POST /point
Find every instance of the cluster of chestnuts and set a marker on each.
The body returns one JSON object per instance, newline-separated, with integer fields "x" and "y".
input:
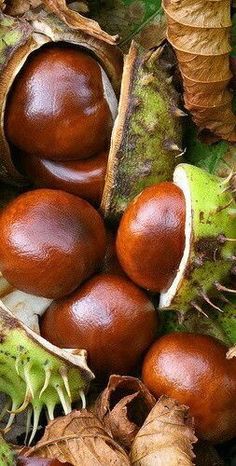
{"x": 55, "y": 243}
{"x": 58, "y": 121}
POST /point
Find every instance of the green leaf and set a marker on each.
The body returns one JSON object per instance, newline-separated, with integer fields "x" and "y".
{"x": 142, "y": 20}
{"x": 218, "y": 158}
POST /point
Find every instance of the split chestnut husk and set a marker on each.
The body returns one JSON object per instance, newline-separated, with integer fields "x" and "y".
{"x": 35, "y": 374}
{"x": 53, "y": 23}
{"x": 209, "y": 254}
{"x": 147, "y": 134}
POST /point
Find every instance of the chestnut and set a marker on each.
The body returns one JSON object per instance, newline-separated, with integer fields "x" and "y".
{"x": 57, "y": 108}
{"x": 108, "y": 316}
{"x": 150, "y": 238}
{"x": 84, "y": 178}
{"x": 51, "y": 241}
{"x": 193, "y": 369}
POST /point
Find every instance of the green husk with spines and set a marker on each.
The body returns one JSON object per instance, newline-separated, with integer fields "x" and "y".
{"x": 147, "y": 135}
{"x": 35, "y": 374}
{"x": 7, "y": 456}
{"x": 193, "y": 322}
{"x": 209, "y": 249}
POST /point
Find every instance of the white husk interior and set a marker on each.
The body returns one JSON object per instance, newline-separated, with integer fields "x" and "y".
{"x": 109, "y": 94}
{"x": 181, "y": 180}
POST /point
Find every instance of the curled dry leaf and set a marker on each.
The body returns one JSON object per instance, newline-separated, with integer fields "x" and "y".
{"x": 123, "y": 407}
{"x": 199, "y": 31}
{"x": 166, "y": 437}
{"x": 80, "y": 439}
{"x": 75, "y": 21}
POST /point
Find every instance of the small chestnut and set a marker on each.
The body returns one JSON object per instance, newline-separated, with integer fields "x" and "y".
{"x": 193, "y": 369}
{"x": 51, "y": 241}
{"x": 150, "y": 238}
{"x": 108, "y": 316}
{"x": 57, "y": 107}
{"x": 84, "y": 178}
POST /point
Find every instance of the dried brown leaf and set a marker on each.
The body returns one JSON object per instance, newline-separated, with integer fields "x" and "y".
{"x": 123, "y": 407}
{"x": 166, "y": 437}
{"x": 75, "y": 21}
{"x": 80, "y": 439}
{"x": 199, "y": 31}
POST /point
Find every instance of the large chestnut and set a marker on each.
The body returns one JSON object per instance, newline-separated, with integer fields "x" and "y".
{"x": 193, "y": 369}
{"x": 51, "y": 241}
{"x": 57, "y": 108}
{"x": 110, "y": 317}
{"x": 84, "y": 178}
{"x": 150, "y": 238}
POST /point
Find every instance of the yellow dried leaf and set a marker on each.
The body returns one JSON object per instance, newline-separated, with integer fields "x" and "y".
{"x": 199, "y": 31}
{"x": 166, "y": 437}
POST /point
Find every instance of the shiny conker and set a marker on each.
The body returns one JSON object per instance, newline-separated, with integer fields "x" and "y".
{"x": 150, "y": 238}
{"x": 193, "y": 369}
{"x": 51, "y": 241}
{"x": 57, "y": 108}
{"x": 108, "y": 316}
{"x": 84, "y": 178}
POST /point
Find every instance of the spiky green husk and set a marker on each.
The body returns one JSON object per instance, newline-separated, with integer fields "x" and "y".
{"x": 36, "y": 374}
{"x": 227, "y": 320}
{"x": 7, "y": 456}
{"x": 209, "y": 253}
{"x": 191, "y": 321}
{"x": 147, "y": 134}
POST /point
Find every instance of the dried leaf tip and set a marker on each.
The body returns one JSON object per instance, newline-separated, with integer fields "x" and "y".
{"x": 167, "y": 437}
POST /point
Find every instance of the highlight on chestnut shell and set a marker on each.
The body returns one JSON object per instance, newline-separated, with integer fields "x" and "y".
{"x": 51, "y": 241}
{"x": 110, "y": 317}
{"x": 193, "y": 369}
{"x": 57, "y": 107}
{"x": 150, "y": 238}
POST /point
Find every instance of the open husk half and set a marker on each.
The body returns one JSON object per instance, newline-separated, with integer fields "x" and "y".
{"x": 147, "y": 134}
{"x": 209, "y": 252}
{"x": 21, "y": 36}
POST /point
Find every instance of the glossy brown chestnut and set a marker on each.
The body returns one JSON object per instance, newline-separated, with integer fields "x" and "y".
{"x": 110, "y": 317}
{"x": 193, "y": 369}
{"x": 23, "y": 461}
{"x": 84, "y": 178}
{"x": 56, "y": 108}
{"x": 150, "y": 238}
{"x": 51, "y": 241}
